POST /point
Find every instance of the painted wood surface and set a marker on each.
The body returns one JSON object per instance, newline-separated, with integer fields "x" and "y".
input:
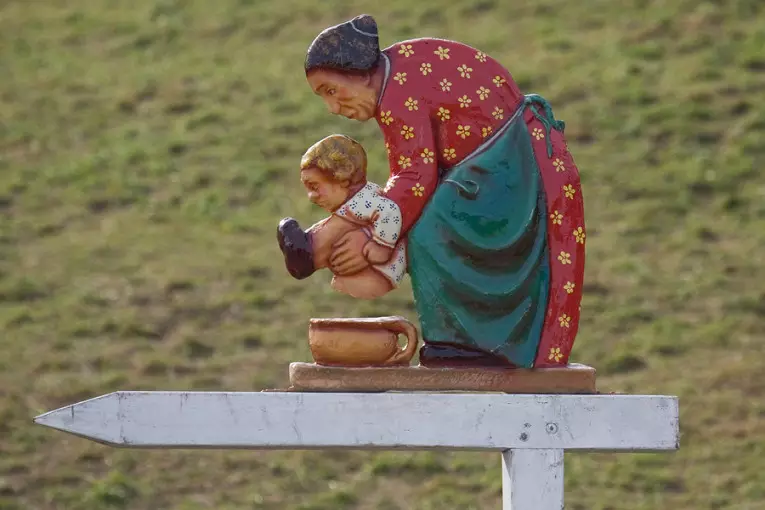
{"x": 532, "y": 479}
{"x": 573, "y": 379}
{"x": 290, "y": 420}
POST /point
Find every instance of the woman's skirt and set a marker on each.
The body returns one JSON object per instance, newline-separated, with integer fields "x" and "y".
{"x": 479, "y": 256}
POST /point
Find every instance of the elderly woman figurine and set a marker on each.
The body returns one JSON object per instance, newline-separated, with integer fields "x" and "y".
{"x": 490, "y": 198}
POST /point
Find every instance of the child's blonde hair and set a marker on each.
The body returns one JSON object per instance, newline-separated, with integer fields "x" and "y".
{"x": 339, "y": 156}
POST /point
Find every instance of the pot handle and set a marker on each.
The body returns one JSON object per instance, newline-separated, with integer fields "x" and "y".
{"x": 405, "y": 354}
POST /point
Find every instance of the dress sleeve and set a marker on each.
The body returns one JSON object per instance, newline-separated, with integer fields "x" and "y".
{"x": 411, "y": 155}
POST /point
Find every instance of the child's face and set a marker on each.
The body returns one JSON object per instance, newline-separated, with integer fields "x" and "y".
{"x": 323, "y": 190}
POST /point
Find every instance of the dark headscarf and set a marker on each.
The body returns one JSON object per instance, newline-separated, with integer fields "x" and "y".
{"x": 349, "y": 46}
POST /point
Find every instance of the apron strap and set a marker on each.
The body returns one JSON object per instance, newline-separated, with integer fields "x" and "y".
{"x": 548, "y": 119}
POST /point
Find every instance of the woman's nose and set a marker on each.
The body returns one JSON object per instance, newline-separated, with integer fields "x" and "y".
{"x": 313, "y": 195}
{"x": 334, "y": 107}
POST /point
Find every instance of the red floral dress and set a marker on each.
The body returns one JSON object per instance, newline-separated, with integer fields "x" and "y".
{"x": 440, "y": 101}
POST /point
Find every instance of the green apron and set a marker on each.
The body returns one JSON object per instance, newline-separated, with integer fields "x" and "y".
{"x": 478, "y": 256}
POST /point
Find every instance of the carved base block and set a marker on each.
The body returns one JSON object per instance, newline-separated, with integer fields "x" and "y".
{"x": 574, "y": 378}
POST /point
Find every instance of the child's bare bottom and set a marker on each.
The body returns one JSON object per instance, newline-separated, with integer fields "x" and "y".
{"x": 367, "y": 283}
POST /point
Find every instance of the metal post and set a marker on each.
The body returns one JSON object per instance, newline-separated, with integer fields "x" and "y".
{"x": 532, "y": 479}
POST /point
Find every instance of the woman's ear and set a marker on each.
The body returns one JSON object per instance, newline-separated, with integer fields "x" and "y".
{"x": 345, "y": 183}
{"x": 364, "y": 78}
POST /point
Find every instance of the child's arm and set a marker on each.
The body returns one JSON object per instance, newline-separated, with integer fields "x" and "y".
{"x": 386, "y": 227}
{"x": 376, "y": 253}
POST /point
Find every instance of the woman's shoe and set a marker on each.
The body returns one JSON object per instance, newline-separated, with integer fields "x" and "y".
{"x": 443, "y": 355}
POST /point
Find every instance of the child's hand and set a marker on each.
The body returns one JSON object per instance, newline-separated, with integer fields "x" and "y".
{"x": 377, "y": 253}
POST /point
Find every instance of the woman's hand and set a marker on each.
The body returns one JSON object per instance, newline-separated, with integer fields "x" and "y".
{"x": 348, "y": 253}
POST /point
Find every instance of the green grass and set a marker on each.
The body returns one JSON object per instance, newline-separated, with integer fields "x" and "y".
{"x": 149, "y": 148}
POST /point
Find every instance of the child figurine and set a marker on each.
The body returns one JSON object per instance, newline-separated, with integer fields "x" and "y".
{"x": 333, "y": 171}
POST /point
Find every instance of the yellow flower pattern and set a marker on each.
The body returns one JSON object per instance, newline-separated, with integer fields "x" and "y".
{"x": 569, "y": 191}
{"x": 481, "y": 56}
{"x": 446, "y": 85}
{"x": 426, "y": 69}
{"x": 386, "y": 118}
{"x": 555, "y": 354}
{"x": 418, "y": 190}
{"x": 465, "y": 71}
{"x": 559, "y": 165}
{"x": 404, "y": 162}
{"x": 400, "y": 78}
{"x": 483, "y": 93}
{"x": 427, "y": 156}
{"x": 498, "y": 113}
{"x": 464, "y": 101}
{"x": 569, "y": 287}
{"x": 411, "y": 104}
{"x": 556, "y": 217}
{"x": 499, "y": 81}
{"x": 538, "y": 133}
{"x": 406, "y": 50}
{"x": 443, "y": 114}
{"x": 443, "y": 53}
{"x": 449, "y": 154}
{"x": 407, "y": 132}
{"x": 486, "y": 131}
{"x": 579, "y": 235}
{"x": 463, "y": 131}
{"x": 564, "y": 320}
{"x": 564, "y": 258}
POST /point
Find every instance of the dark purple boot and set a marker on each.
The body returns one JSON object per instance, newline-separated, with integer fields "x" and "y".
{"x": 296, "y": 247}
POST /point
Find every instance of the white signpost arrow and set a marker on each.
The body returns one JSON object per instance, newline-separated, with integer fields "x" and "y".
{"x": 531, "y": 431}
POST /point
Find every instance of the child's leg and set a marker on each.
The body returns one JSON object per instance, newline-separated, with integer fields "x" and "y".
{"x": 307, "y": 251}
{"x": 366, "y": 284}
{"x": 324, "y": 234}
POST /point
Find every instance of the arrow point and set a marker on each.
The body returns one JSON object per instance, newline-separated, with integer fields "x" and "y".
{"x": 57, "y": 419}
{"x": 93, "y": 419}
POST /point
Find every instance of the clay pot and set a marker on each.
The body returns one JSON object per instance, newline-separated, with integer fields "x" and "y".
{"x": 361, "y": 342}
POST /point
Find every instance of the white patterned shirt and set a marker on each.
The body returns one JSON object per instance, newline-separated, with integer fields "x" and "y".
{"x": 382, "y": 217}
{"x": 370, "y": 205}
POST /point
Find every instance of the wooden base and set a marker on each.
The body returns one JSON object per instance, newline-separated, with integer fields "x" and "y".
{"x": 574, "y": 378}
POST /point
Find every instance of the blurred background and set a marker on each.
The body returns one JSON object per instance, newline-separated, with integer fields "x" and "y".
{"x": 148, "y": 149}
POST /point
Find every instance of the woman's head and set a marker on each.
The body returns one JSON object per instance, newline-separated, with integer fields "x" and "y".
{"x": 352, "y": 95}
{"x": 342, "y": 67}
{"x": 331, "y": 169}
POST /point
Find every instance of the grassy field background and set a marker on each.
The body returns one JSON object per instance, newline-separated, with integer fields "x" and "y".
{"x": 148, "y": 149}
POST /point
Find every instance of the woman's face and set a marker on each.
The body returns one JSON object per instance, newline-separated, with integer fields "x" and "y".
{"x": 348, "y": 95}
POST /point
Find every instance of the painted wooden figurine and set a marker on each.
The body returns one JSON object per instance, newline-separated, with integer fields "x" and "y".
{"x": 333, "y": 172}
{"x": 488, "y": 197}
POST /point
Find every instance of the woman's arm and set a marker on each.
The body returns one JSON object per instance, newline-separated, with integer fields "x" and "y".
{"x": 412, "y": 156}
